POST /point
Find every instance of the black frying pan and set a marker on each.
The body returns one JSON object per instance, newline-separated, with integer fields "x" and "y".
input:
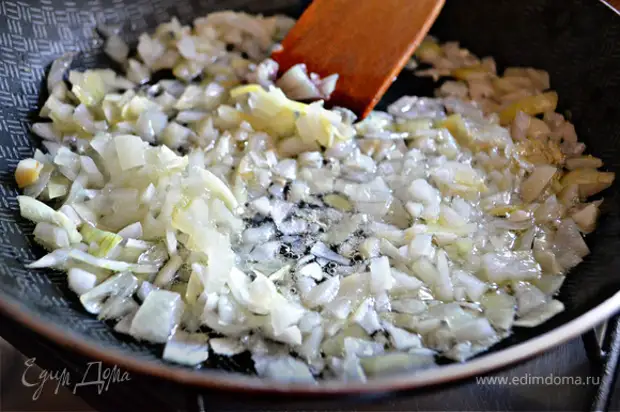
{"x": 577, "y": 41}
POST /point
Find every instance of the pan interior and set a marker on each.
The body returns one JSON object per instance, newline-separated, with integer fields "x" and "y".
{"x": 576, "y": 42}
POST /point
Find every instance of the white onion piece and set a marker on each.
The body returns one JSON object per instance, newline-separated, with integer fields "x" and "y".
{"x": 259, "y": 234}
{"x": 409, "y": 305}
{"x": 187, "y": 348}
{"x": 81, "y": 281}
{"x": 529, "y": 297}
{"x": 144, "y": 289}
{"x": 50, "y": 236}
{"x": 117, "y": 287}
{"x": 533, "y": 186}
{"x": 226, "y": 346}
{"x": 280, "y": 210}
{"x": 380, "y": 275}
{"x": 500, "y": 309}
{"x": 297, "y": 85}
{"x": 313, "y": 270}
{"x": 328, "y": 85}
{"x": 58, "y": 70}
{"x": 401, "y": 339}
{"x": 283, "y": 369}
{"x": 366, "y": 317}
{"x": 311, "y": 347}
{"x": 116, "y": 48}
{"x": 265, "y": 251}
{"x": 394, "y": 362}
{"x": 405, "y": 281}
{"x": 474, "y": 287}
{"x": 284, "y": 314}
{"x": 158, "y": 316}
{"x": 569, "y": 240}
{"x": 475, "y": 330}
{"x": 323, "y": 293}
{"x": 540, "y": 315}
{"x": 132, "y": 231}
{"x": 320, "y": 249}
{"x": 520, "y": 265}
{"x": 46, "y": 131}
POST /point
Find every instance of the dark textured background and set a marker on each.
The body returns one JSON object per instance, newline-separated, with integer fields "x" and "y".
{"x": 576, "y": 41}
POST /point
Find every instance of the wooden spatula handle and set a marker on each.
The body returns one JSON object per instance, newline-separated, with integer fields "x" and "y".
{"x": 615, "y": 4}
{"x": 372, "y": 40}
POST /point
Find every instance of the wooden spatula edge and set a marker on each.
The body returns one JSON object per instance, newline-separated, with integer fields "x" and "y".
{"x": 367, "y": 42}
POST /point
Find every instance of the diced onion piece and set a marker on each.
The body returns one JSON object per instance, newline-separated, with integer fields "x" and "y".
{"x": 55, "y": 259}
{"x": 284, "y": 314}
{"x": 105, "y": 241}
{"x": 394, "y": 362}
{"x": 313, "y": 270}
{"x": 186, "y": 348}
{"x": 503, "y": 266}
{"x": 583, "y": 162}
{"x": 116, "y": 48}
{"x": 89, "y": 87}
{"x": 529, "y": 297}
{"x": 380, "y": 275}
{"x": 536, "y": 182}
{"x": 166, "y": 274}
{"x": 114, "y": 265}
{"x": 283, "y": 369}
{"x": 320, "y": 249}
{"x": 27, "y": 172}
{"x": 474, "y": 330}
{"x": 36, "y": 211}
{"x": 130, "y": 151}
{"x": 323, "y": 293}
{"x": 58, "y": 69}
{"x": 117, "y": 287}
{"x": 474, "y": 287}
{"x": 296, "y": 84}
{"x": 540, "y": 315}
{"x": 226, "y": 346}
{"x": 531, "y": 105}
{"x": 569, "y": 241}
{"x": 157, "y": 317}
{"x": 51, "y": 236}
{"x": 500, "y": 309}
{"x": 219, "y": 189}
{"x": 586, "y": 218}
{"x": 402, "y": 339}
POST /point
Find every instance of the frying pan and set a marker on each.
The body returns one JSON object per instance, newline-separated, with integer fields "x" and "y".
{"x": 577, "y": 41}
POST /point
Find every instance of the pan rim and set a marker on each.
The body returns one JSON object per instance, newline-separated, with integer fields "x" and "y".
{"x": 219, "y": 380}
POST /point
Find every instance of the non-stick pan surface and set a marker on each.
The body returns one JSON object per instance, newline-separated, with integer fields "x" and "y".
{"x": 577, "y": 41}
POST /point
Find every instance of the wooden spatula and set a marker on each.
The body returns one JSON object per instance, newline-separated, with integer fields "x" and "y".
{"x": 367, "y": 42}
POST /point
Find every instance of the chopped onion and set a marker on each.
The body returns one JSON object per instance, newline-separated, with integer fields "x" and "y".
{"x": 283, "y": 369}
{"x": 541, "y": 314}
{"x": 320, "y": 249}
{"x": 116, "y": 48}
{"x": 226, "y": 346}
{"x": 297, "y": 85}
{"x": 187, "y": 349}
{"x": 157, "y": 317}
{"x": 81, "y": 281}
{"x": 323, "y": 293}
{"x": 218, "y": 201}
{"x": 58, "y": 70}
